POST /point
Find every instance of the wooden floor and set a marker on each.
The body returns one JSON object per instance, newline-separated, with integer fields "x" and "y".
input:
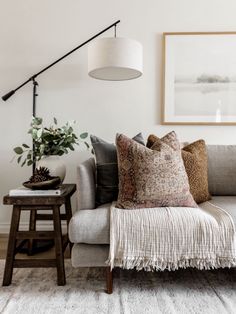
{"x": 48, "y": 254}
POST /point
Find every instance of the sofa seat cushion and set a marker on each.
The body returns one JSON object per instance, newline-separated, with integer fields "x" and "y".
{"x": 228, "y": 203}
{"x": 91, "y": 226}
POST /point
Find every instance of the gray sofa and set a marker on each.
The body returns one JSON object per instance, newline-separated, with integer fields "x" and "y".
{"x": 89, "y": 226}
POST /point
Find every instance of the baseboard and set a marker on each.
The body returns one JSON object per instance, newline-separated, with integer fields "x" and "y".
{"x": 46, "y": 225}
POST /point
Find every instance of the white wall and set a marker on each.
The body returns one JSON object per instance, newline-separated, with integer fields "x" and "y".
{"x": 34, "y": 33}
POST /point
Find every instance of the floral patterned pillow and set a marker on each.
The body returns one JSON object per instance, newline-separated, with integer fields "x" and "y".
{"x": 152, "y": 177}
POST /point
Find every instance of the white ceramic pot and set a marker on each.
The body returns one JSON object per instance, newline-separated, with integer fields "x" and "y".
{"x": 55, "y": 165}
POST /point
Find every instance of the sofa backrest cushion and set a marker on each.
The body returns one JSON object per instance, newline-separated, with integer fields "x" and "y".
{"x": 86, "y": 187}
{"x": 222, "y": 169}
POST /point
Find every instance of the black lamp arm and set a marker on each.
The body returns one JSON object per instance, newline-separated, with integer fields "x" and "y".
{"x": 9, "y": 94}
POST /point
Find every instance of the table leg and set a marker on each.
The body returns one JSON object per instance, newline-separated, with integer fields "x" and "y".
{"x": 109, "y": 280}
{"x": 68, "y": 217}
{"x": 11, "y": 245}
{"x": 32, "y": 227}
{"x": 61, "y": 279}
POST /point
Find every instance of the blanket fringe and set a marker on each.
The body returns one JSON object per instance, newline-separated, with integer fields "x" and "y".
{"x": 139, "y": 263}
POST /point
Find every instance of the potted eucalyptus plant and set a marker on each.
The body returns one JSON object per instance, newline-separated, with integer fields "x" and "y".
{"x": 49, "y": 143}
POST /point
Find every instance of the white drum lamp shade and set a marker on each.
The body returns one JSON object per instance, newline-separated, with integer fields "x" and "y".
{"x": 115, "y": 59}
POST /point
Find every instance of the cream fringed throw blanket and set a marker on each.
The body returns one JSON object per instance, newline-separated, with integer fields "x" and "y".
{"x": 171, "y": 238}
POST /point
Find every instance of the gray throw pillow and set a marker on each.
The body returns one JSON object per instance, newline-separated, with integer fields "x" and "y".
{"x": 107, "y": 169}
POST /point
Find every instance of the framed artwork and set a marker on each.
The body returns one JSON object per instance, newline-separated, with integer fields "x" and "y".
{"x": 199, "y": 78}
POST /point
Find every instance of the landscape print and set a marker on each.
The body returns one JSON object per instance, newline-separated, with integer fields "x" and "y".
{"x": 206, "y": 94}
{"x": 203, "y": 73}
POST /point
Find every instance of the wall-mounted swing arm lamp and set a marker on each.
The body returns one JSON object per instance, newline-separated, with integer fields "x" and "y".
{"x": 113, "y": 59}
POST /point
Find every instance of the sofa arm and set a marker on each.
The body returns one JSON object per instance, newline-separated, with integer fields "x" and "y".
{"x": 86, "y": 184}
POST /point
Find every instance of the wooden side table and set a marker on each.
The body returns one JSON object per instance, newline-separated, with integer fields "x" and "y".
{"x": 33, "y": 204}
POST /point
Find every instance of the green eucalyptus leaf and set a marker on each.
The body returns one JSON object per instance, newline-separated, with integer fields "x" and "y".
{"x": 23, "y": 163}
{"x": 25, "y": 145}
{"x": 83, "y": 135}
{"x": 70, "y": 129}
{"x": 39, "y": 132}
{"x": 18, "y": 150}
{"x": 34, "y": 134}
{"x": 55, "y": 120}
{"x": 87, "y": 144}
{"x": 41, "y": 148}
{"x": 37, "y": 120}
{"x": 19, "y": 159}
{"x": 29, "y": 162}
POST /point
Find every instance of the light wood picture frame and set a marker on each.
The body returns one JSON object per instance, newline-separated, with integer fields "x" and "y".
{"x": 199, "y": 78}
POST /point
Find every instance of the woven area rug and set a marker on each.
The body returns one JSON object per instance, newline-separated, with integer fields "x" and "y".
{"x": 184, "y": 291}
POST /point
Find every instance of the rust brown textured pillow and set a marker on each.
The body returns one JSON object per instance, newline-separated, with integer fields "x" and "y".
{"x": 195, "y": 161}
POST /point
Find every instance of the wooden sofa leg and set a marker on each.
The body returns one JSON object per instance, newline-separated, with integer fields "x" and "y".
{"x": 109, "y": 280}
